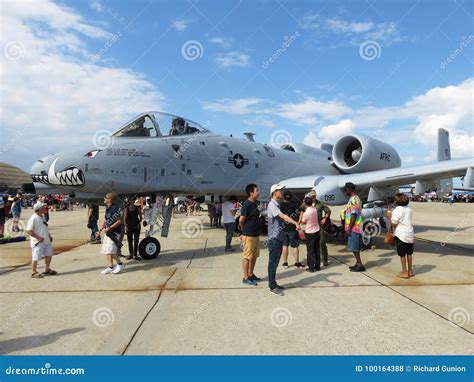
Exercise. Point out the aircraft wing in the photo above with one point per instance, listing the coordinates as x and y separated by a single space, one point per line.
329 188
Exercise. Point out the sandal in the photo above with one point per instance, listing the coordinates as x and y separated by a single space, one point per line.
50 273
411 274
403 275
36 275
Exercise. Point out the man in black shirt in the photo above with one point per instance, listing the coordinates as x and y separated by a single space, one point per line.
249 224
291 235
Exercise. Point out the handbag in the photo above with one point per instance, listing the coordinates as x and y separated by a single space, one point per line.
389 238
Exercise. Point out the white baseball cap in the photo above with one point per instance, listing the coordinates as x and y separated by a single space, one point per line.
276 187
39 206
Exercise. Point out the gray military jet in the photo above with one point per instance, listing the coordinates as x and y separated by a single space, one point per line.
160 154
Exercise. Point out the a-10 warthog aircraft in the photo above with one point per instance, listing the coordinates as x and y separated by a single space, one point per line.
160 154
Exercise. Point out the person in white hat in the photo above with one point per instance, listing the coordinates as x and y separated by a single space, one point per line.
40 241
276 234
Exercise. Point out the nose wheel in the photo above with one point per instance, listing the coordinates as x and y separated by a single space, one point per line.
149 248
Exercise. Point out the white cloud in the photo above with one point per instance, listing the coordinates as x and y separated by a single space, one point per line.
233 59
259 121
182 24
328 133
221 41
233 106
310 111
414 122
57 95
357 31
341 26
96 6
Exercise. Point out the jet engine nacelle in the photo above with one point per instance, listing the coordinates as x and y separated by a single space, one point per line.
356 153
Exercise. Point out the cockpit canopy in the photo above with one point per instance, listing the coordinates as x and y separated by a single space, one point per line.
157 124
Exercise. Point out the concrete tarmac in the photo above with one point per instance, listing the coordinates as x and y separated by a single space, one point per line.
191 300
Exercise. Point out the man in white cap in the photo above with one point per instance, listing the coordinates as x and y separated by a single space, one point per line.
40 241
276 234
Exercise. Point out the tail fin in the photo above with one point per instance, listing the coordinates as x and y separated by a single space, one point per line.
444 149
444 153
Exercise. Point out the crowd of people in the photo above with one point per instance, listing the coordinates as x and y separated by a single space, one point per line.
286 218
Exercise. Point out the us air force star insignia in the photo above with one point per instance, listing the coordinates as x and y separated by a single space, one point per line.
238 160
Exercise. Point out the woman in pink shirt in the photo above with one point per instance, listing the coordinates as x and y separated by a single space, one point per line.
312 236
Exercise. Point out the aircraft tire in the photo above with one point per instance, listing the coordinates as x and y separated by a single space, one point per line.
149 248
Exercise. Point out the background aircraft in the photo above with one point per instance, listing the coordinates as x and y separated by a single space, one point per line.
160 154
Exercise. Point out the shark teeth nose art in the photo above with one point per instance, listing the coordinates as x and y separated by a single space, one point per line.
71 176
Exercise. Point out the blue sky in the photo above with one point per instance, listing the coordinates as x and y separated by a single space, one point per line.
397 70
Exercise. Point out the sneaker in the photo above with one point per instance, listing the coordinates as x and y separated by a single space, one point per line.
277 291
230 250
107 271
255 278
117 268
281 287
249 282
326 263
285 265
299 265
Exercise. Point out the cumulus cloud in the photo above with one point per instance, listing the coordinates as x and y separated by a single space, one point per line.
356 31
233 60
55 90
310 111
417 120
182 24
233 106
221 41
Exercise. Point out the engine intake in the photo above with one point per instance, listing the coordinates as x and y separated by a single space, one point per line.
357 153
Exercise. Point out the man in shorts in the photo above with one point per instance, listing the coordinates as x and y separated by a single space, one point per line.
40 241
353 225
112 227
249 223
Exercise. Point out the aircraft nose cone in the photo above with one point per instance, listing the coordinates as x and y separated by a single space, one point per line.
54 170
39 169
